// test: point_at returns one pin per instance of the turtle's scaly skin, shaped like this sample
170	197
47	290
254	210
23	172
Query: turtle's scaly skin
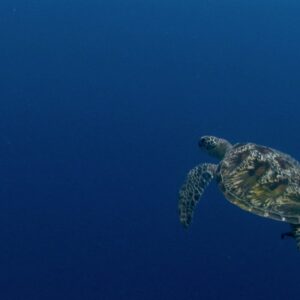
261	180
192	189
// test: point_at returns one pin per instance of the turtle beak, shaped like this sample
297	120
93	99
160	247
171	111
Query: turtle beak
202	142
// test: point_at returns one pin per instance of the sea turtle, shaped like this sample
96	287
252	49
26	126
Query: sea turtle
256	178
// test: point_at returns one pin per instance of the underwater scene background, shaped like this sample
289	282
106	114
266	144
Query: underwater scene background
102	105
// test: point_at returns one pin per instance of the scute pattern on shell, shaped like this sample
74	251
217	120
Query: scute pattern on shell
262	180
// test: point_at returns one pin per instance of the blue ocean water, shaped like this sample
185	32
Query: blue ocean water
102	105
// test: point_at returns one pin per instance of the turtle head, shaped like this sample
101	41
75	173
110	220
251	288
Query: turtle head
214	146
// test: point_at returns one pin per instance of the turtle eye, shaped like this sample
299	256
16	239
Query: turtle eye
210	145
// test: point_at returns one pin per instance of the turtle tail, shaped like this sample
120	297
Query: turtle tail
192	189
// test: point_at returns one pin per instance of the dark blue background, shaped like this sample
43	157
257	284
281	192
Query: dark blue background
102	103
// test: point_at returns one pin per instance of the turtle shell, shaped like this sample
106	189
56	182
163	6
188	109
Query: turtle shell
261	180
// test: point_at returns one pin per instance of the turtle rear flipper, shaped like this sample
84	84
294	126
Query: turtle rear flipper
295	233
192	189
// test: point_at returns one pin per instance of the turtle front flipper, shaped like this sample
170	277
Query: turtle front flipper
192	189
294	233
